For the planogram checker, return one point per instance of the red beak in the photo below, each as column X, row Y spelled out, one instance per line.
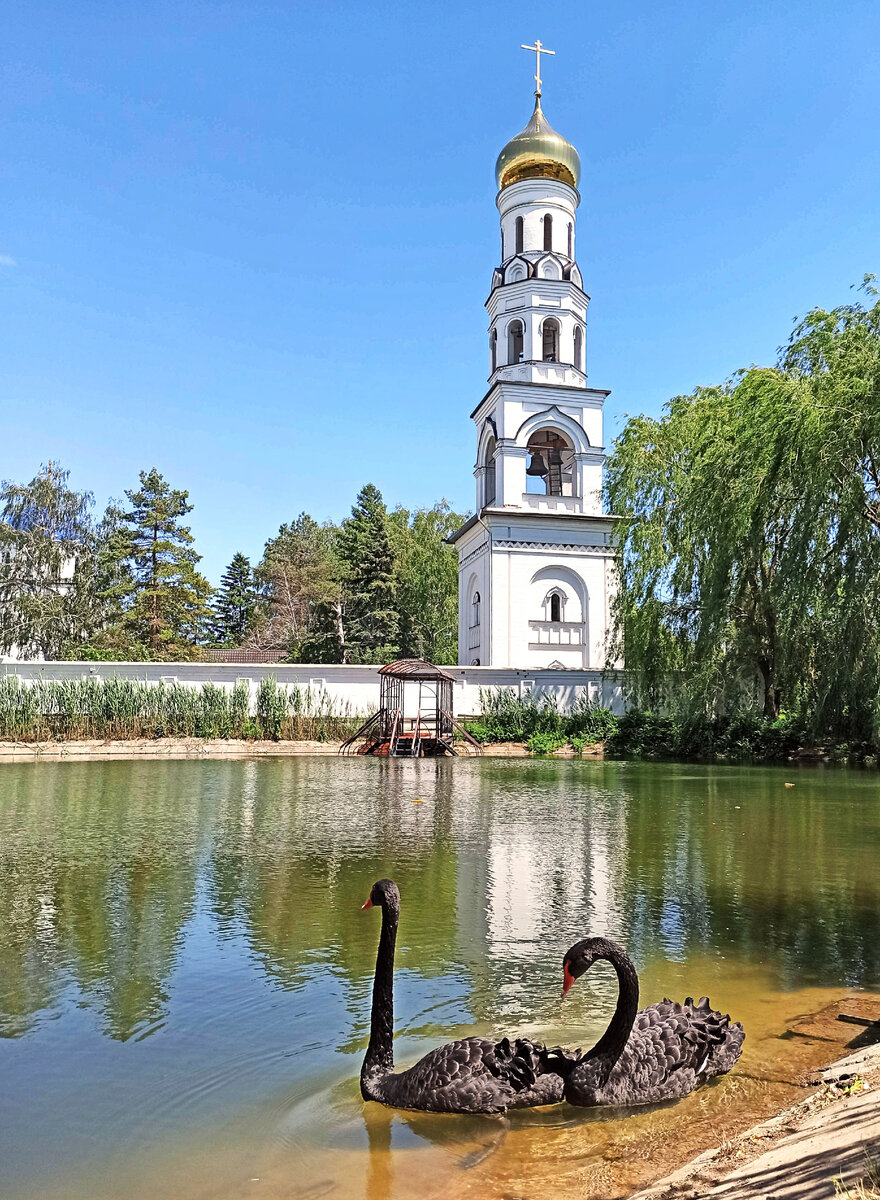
column 567, row 978
column 369, row 903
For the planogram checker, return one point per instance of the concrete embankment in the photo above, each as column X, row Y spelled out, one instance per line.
column 215, row 748
column 158, row 748
column 799, row 1154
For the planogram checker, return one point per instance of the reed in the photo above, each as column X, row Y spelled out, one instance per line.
column 122, row 709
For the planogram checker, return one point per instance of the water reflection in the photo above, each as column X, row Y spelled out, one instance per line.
column 499, row 866
column 182, row 945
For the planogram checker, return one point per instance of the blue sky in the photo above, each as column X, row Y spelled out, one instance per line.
column 249, row 244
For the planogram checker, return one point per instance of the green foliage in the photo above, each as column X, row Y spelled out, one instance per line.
column 507, row 717
column 750, row 541
column 427, row 582
column 301, row 578
column 366, row 550
column 544, row 743
column 123, row 709
column 235, row 604
column 646, row 734
column 49, row 549
column 162, row 595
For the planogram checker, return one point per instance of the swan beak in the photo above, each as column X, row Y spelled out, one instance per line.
column 369, row 903
column 567, row 978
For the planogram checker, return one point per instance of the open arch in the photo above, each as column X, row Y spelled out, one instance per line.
column 493, row 348
column 551, row 465
column 515, row 341
column 553, row 418
column 550, row 340
column 489, row 473
column 579, row 347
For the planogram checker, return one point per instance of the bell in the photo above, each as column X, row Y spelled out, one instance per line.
column 536, row 465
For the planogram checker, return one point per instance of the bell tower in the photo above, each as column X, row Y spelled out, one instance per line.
column 536, row 561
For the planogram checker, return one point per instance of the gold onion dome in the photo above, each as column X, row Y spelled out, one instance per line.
column 539, row 152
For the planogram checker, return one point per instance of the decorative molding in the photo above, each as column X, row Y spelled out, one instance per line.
column 520, row 544
column 469, row 558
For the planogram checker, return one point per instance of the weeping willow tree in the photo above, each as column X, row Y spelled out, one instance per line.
column 750, row 539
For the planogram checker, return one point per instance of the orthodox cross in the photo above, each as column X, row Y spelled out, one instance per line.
column 539, row 50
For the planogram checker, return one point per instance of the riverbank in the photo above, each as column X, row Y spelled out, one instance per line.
column 823, row 1146
column 97, row 749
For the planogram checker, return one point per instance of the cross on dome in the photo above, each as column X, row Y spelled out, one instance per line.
column 539, row 49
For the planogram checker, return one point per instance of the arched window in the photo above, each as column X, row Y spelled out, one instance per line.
column 519, row 236
column 570, row 239
column 475, row 610
column 515, row 342
column 555, row 607
column 493, row 346
column 548, row 232
column 550, row 340
column 579, row 347
column 489, row 476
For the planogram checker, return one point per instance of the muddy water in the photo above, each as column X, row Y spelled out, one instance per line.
column 185, row 970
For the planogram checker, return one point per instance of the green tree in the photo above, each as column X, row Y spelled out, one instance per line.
column 750, row 539
column 164, row 599
column 300, row 575
column 427, row 582
column 235, row 604
column 367, row 553
column 49, row 550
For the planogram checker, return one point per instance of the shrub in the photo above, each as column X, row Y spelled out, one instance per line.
column 544, row 743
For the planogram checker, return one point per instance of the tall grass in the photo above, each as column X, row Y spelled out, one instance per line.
column 119, row 709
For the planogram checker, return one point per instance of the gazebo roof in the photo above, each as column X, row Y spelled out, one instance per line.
column 414, row 668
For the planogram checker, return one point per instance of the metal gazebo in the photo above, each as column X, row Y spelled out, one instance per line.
column 415, row 718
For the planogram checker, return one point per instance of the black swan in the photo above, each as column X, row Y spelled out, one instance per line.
column 470, row 1075
column 660, row 1053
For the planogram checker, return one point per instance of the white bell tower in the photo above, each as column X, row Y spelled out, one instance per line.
column 536, row 561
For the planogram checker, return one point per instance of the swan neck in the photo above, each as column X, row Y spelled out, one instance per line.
column 379, row 1058
column 610, row 1046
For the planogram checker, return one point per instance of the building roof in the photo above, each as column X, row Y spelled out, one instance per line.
column 414, row 668
column 245, row 656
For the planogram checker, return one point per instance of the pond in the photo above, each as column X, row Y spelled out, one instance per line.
column 185, row 970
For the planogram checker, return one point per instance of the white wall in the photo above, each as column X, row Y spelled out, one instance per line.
column 355, row 686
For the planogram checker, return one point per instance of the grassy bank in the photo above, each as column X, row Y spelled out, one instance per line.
column 120, row 709
column 640, row 734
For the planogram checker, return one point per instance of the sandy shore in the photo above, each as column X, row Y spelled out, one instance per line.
column 798, row 1154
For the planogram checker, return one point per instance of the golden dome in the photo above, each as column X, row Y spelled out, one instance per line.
column 538, row 153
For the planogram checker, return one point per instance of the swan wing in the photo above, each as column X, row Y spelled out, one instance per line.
column 477, row 1075
column 672, row 1048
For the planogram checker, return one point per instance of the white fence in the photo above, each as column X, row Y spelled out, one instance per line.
column 355, row 686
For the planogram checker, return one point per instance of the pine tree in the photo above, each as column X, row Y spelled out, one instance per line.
column 163, row 597
column 372, row 619
column 235, row 604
